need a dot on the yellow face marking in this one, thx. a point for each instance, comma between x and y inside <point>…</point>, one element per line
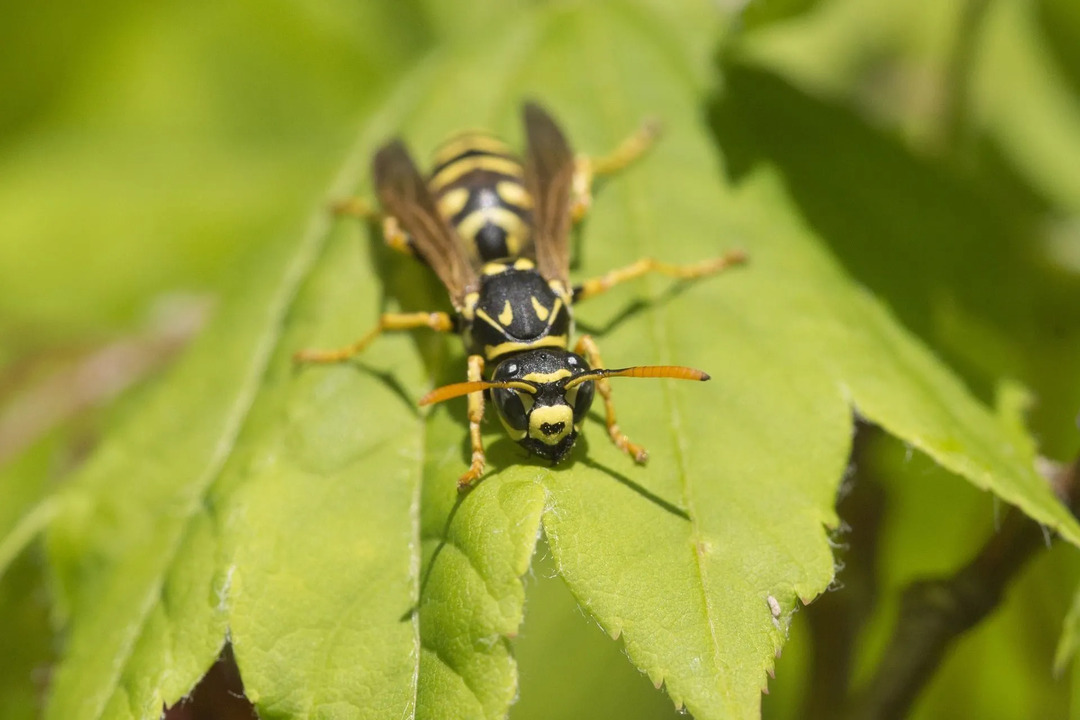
<point>541,311</point>
<point>514,193</point>
<point>469,140</point>
<point>547,377</point>
<point>491,163</point>
<point>451,203</point>
<point>553,416</point>
<point>507,315</point>
<point>491,352</point>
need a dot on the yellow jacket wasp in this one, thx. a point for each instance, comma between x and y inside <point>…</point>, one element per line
<point>495,231</point>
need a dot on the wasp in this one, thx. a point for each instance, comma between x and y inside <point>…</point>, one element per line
<point>495,229</point>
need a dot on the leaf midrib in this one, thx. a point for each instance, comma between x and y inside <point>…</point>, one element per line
<point>642,211</point>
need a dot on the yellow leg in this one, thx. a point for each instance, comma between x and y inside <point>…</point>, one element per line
<point>361,209</point>
<point>596,286</point>
<point>587,346</point>
<point>476,414</point>
<point>439,321</point>
<point>395,237</point>
<point>587,169</point>
<point>356,207</point>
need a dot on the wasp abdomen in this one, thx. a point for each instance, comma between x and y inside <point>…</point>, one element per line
<point>479,188</point>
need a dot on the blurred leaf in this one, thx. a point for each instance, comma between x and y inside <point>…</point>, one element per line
<point>312,515</point>
<point>26,646</point>
<point>759,13</point>
<point>1070,638</point>
<point>175,141</point>
<point>960,263</point>
<point>1059,22</point>
<point>569,667</point>
<point>1025,101</point>
<point>933,525</point>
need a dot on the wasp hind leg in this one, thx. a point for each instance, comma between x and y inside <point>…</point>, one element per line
<point>599,285</point>
<point>587,346</point>
<point>439,321</point>
<point>588,169</point>
<point>476,414</point>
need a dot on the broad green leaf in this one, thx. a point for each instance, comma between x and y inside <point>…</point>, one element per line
<point>310,515</point>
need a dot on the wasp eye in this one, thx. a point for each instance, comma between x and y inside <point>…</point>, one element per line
<point>580,398</point>
<point>510,408</point>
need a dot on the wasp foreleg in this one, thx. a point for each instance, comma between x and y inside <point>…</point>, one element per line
<point>587,346</point>
<point>440,321</point>
<point>476,414</point>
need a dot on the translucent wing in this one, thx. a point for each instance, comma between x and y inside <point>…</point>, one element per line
<point>404,194</point>
<point>549,174</point>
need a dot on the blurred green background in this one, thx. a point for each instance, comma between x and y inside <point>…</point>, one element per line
<point>148,152</point>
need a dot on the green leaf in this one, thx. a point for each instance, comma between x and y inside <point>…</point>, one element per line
<point>1070,638</point>
<point>310,515</point>
<point>569,667</point>
<point>26,643</point>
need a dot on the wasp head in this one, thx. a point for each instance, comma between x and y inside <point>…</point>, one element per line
<point>541,396</point>
<point>542,400</point>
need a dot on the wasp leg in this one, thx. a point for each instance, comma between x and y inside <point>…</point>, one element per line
<point>393,235</point>
<point>356,207</point>
<point>596,286</point>
<point>588,169</point>
<point>587,346</point>
<point>476,414</point>
<point>439,321</point>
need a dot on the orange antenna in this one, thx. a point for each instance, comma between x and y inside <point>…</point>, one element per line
<point>677,372</point>
<point>449,392</point>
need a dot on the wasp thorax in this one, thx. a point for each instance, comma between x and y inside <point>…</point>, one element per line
<point>546,419</point>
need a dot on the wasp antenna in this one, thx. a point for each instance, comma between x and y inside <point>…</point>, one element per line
<point>449,392</point>
<point>677,372</point>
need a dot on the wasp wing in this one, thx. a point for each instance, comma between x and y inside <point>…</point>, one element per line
<point>404,195</point>
<point>549,175</point>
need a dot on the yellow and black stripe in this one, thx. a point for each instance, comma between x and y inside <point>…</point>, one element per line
<point>479,187</point>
